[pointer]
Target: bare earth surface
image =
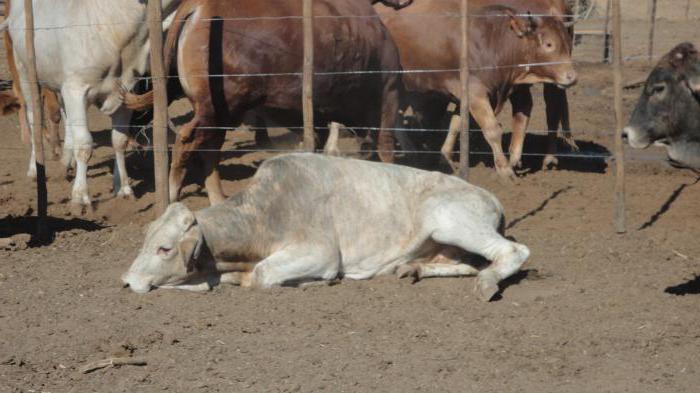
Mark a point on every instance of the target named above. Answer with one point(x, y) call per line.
point(593, 311)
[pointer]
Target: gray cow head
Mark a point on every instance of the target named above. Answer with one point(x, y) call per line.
point(668, 110)
point(170, 250)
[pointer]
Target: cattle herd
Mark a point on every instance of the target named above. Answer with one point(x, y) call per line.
point(298, 221)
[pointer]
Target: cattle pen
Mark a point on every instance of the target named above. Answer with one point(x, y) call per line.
point(591, 310)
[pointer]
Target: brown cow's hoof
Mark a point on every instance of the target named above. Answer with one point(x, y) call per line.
point(550, 162)
point(409, 270)
point(506, 175)
point(569, 140)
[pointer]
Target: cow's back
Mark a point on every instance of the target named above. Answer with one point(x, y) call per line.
point(266, 37)
point(372, 211)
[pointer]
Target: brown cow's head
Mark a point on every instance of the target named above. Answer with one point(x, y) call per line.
point(395, 4)
point(547, 44)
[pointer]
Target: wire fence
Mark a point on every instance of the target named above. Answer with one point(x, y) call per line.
point(300, 18)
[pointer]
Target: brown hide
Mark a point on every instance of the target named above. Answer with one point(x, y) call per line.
point(428, 36)
point(213, 44)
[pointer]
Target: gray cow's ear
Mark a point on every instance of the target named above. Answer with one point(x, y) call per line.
point(190, 246)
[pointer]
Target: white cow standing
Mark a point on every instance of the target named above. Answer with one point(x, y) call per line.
point(307, 217)
point(87, 50)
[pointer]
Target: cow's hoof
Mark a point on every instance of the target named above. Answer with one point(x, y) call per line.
point(409, 270)
point(486, 285)
point(569, 140)
point(506, 175)
point(550, 162)
point(126, 193)
point(81, 210)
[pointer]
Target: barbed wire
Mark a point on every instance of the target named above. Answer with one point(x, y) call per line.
point(451, 15)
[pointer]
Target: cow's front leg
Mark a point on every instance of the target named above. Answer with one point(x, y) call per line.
point(450, 140)
point(331, 147)
point(121, 120)
point(295, 265)
point(480, 108)
point(521, 101)
point(75, 101)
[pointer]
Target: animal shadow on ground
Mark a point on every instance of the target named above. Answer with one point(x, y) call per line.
point(11, 225)
point(539, 208)
point(690, 287)
point(431, 116)
point(667, 205)
point(515, 279)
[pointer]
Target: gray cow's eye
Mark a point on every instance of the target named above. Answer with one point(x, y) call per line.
point(658, 88)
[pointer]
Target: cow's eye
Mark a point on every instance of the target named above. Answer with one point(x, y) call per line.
point(164, 251)
point(658, 89)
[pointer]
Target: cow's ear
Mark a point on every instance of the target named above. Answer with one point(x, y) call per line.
point(190, 247)
point(522, 26)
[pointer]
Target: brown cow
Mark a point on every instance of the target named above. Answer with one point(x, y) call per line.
point(499, 38)
point(215, 38)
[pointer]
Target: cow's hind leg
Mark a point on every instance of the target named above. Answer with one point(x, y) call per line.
point(120, 139)
point(521, 101)
point(473, 227)
point(75, 101)
point(295, 265)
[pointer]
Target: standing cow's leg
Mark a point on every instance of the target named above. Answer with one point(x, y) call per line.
point(121, 120)
point(521, 101)
point(262, 137)
point(67, 155)
point(557, 107)
point(331, 147)
point(75, 102)
point(296, 264)
point(389, 113)
point(481, 109)
point(211, 155)
point(450, 140)
point(182, 153)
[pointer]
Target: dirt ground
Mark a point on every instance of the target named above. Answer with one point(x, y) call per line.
point(592, 311)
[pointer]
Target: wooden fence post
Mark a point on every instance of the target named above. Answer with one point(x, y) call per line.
point(464, 99)
point(160, 106)
point(308, 77)
point(620, 225)
point(42, 232)
point(652, 31)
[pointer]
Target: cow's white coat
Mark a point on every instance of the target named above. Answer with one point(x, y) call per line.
point(85, 50)
point(309, 217)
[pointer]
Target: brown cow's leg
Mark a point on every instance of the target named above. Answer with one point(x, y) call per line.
point(389, 114)
point(481, 109)
point(53, 111)
point(521, 100)
point(450, 140)
point(211, 156)
point(185, 146)
point(557, 113)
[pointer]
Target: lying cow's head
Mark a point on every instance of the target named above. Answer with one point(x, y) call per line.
point(546, 40)
point(395, 4)
point(169, 252)
point(668, 110)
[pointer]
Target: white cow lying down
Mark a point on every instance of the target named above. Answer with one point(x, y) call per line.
point(308, 217)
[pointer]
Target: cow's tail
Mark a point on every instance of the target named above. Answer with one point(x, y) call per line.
point(144, 101)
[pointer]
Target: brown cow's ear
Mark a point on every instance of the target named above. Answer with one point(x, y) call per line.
point(522, 26)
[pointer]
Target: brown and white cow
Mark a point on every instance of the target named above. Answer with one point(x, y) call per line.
point(428, 37)
point(215, 38)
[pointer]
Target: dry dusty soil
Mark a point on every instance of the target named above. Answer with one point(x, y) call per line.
point(592, 311)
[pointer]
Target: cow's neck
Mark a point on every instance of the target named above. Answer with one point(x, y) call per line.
point(231, 230)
